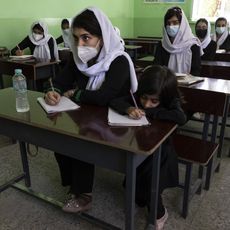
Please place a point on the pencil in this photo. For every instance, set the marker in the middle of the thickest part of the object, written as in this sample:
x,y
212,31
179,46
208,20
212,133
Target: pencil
x,y
18,47
51,84
134,101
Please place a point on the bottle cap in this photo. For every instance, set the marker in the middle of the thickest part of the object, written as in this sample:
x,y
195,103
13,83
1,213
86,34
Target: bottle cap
x,y
17,71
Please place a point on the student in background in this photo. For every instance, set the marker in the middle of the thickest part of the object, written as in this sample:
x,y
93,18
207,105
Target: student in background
x,y
221,35
203,32
65,33
157,98
179,49
98,72
119,34
41,44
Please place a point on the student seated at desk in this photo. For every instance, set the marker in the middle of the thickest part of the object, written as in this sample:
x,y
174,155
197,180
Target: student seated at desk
x,y
157,98
41,44
98,72
203,32
221,35
180,49
65,33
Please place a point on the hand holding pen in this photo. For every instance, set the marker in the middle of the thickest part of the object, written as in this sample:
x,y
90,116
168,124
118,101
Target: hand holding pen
x,y
135,112
52,97
19,52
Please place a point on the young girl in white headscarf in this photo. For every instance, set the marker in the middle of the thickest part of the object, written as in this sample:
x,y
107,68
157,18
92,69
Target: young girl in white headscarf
x,y
99,71
179,49
221,35
64,38
41,44
203,30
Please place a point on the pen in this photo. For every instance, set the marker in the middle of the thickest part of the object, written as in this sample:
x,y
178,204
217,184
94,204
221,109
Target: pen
x,y
134,101
51,84
18,47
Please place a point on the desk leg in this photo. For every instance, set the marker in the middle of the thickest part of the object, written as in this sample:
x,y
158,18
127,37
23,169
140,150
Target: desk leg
x,y
130,192
25,163
154,189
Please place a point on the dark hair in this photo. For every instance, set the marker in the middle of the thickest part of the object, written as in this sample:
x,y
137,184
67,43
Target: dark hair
x,y
64,21
174,11
201,20
38,27
221,19
161,81
88,21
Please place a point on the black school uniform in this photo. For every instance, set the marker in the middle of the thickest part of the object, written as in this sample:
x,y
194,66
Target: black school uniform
x,y
209,51
26,43
162,58
169,163
226,44
78,174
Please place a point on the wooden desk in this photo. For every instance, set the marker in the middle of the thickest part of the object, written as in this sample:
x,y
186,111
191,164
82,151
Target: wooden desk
x,y
37,69
132,50
119,149
215,69
64,56
145,61
222,57
214,85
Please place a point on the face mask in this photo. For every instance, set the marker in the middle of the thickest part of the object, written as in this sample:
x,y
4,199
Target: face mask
x,y
86,53
220,30
201,33
66,31
37,37
172,30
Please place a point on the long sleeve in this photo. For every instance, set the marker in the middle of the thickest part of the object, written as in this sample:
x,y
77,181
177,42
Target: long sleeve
x,y
116,83
226,44
161,56
59,39
173,113
196,61
51,47
209,51
25,43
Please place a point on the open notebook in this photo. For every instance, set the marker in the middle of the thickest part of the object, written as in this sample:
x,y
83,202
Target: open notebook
x,y
65,104
187,79
21,58
116,119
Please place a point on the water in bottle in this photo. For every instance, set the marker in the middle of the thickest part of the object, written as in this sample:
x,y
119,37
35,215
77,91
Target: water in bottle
x,y
20,88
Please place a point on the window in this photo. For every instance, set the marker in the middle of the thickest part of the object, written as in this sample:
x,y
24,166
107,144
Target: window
x,y
211,9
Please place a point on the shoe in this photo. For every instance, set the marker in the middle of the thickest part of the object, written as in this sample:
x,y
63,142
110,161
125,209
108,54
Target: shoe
x,y
78,204
160,222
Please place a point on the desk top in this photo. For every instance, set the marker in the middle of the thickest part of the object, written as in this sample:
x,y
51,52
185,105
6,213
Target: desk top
x,y
87,123
216,63
31,62
212,84
132,47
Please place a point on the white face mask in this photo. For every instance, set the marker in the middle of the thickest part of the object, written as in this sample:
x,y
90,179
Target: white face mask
x,y
37,37
86,53
172,30
220,30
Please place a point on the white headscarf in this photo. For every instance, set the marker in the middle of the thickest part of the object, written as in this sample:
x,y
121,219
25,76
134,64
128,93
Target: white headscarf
x,y
119,34
112,48
207,38
65,36
41,47
180,52
222,38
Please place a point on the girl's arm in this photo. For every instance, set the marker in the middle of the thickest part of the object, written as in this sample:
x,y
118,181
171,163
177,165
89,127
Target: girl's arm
x,y
174,113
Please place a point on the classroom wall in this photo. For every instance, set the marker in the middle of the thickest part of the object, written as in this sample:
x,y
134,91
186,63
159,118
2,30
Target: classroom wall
x,y
17,16
148,17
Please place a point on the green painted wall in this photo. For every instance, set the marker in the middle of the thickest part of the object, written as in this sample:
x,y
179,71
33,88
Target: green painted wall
x,y
17,16
148,17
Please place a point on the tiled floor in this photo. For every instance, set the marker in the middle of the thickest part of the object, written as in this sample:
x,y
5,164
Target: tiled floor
x,y
19,211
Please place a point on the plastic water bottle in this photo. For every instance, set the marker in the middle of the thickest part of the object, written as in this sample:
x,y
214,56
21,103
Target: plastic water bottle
x,y
20,88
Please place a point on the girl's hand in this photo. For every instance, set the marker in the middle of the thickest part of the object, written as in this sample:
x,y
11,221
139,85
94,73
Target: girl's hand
x,y
69,93
135,113
19,52
52,98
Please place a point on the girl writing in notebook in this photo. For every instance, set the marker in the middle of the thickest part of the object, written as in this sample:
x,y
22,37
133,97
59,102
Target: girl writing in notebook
x,y
157,98
41,44
98,72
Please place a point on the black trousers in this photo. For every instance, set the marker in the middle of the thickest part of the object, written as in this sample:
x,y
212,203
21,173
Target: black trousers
x,y
77,174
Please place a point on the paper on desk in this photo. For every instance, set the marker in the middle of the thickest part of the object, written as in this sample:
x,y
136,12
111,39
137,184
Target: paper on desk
x,y
187,79
22,57
65,104
220,51
116,119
